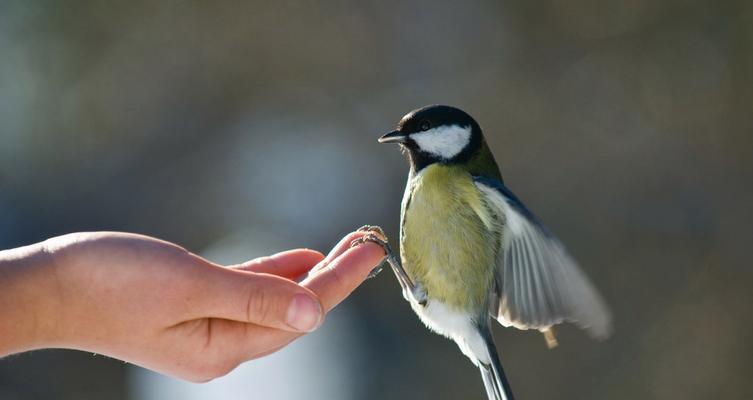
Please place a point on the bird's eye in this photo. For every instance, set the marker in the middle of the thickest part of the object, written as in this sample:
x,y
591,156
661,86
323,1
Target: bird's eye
x,y
425,125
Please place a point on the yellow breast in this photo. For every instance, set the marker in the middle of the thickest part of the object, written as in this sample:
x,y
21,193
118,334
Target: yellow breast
x,y
445,243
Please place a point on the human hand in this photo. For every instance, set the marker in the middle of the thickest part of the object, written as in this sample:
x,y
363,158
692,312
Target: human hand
x,y
154,304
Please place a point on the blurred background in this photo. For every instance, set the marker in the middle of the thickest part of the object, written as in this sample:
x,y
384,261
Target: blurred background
x,y
238,129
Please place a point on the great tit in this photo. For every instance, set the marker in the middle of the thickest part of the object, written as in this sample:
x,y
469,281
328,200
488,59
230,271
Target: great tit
x,y
471,251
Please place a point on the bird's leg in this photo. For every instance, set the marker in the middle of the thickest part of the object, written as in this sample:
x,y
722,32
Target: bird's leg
x,y
410,290
369,228
376,235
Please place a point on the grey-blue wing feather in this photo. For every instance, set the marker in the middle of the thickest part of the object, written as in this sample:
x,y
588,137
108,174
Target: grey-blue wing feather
x,y
538,282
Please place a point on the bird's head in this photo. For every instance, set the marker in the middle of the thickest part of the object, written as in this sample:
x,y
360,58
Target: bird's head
x,y
437,134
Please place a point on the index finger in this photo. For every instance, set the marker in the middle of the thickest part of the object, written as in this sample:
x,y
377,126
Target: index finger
x,y
333,283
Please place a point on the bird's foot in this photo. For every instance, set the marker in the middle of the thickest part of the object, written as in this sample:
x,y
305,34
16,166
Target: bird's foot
x,y
376,235
374,272
419,294
373,234
373,229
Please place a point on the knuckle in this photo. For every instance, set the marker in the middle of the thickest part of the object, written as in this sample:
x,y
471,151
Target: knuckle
x,y
258,307
336,274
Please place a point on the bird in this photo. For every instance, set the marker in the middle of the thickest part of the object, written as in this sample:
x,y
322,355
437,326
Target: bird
x,y
472,253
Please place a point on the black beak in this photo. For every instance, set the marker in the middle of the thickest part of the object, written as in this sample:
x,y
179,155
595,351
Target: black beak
x,y
393,137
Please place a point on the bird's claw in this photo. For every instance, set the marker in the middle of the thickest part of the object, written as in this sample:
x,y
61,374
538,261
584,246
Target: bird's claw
x,y
373,234
374,272
370,237
420,295
374,229
411,291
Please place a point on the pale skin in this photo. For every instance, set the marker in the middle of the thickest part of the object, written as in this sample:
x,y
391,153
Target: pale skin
x,y
154,304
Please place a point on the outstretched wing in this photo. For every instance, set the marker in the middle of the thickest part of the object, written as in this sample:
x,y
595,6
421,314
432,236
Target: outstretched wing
x,y
539,284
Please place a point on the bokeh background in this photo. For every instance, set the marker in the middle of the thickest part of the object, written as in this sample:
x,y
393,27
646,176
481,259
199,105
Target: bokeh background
x,y
239,129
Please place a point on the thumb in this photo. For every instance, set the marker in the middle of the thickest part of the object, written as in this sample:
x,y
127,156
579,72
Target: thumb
x,y
261,299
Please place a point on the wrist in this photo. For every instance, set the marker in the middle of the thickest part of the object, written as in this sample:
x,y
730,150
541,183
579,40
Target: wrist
x,y
28,317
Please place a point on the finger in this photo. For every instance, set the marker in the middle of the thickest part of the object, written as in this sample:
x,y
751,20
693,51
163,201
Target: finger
x,y
260,299
343,275
341,247
333,284
289,264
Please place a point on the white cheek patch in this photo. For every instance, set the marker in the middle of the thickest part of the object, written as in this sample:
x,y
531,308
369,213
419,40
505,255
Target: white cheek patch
x,y
445,141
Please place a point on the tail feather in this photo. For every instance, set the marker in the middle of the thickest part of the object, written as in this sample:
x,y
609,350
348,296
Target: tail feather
x,y
492,389
495,381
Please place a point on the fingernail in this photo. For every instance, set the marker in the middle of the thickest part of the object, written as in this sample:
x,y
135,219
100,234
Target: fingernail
x,y
304,313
